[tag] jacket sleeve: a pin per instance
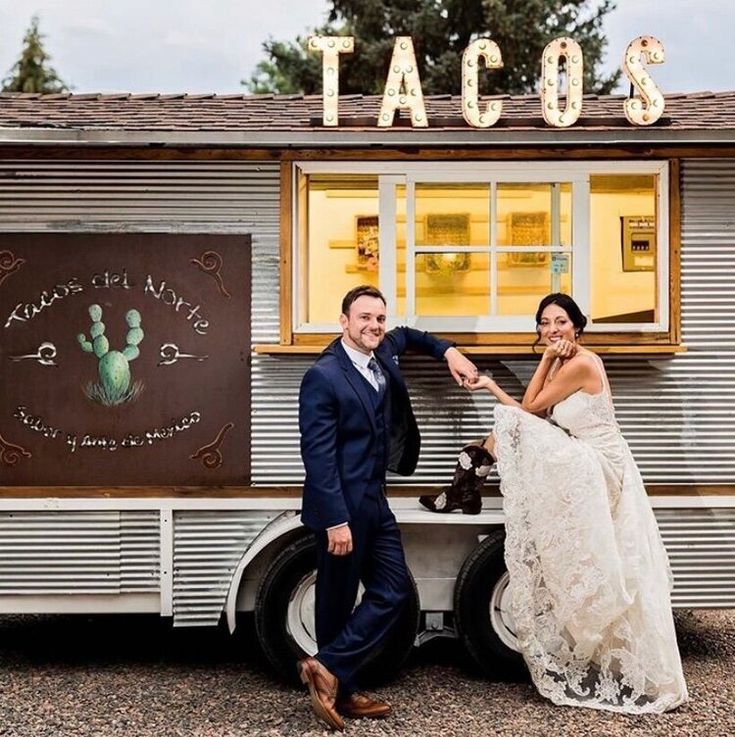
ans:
(405, 338)
(318, 422)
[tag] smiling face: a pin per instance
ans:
(556, 324)
(364, 327)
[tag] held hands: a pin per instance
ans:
(563, 349)
(478, 382)
(339, 540)
(461, 368)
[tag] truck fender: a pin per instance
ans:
(281, 525)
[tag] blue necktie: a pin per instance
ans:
(378, 374)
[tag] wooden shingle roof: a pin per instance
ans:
(295, 118)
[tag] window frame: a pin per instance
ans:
(495, 331)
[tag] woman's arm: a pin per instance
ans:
(539, 377)
(485, 382)
(571, 377)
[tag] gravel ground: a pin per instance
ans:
(134, 675)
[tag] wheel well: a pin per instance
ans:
(255, 570)
(281, 532)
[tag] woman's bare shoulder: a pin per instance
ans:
(584, 362)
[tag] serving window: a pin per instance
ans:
(469, 249)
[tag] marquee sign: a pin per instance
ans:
(403, 85)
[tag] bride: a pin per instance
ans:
(589, 576)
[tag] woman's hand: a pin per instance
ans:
(478, 382)
(561, 349)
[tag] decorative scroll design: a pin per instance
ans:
(210, 454)
(210, 262)
(44, 355)
(10, 454)
(8, 264)
(170, 354)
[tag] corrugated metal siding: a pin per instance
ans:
(703, 380)
(154, 196)
(79, 552)
(150, 195)
(701, 547)
(678, 413)
(207, 548)
(140, 552)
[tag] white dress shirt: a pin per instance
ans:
(360, 362)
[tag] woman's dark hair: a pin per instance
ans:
(568, 305)
(357, 292)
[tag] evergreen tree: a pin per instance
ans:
(441, 30)
(32, 73)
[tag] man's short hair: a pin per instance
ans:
(364, 290)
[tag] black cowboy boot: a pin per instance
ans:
(473, 466)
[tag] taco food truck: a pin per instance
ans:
(170, 265)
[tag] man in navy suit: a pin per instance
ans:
(356, 422)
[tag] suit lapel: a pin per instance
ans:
(391, 368)
(356, 381)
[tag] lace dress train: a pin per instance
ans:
(589, 577)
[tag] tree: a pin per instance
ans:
(32, 73)
(441, 30)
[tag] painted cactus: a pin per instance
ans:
(114, 366)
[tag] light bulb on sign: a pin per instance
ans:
(403, 86)
(572, 53)
(489, 52)
(648, 104)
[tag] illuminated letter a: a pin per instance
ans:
(403, 87)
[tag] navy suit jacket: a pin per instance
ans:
(338, 426)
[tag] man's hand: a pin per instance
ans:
(461, 368)
(339, 540)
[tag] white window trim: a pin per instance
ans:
(387, 229)
(578, 173)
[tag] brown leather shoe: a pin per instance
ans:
(322, 687)
(360, 706)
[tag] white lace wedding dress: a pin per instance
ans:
(589, 576)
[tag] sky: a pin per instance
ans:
(202, 46)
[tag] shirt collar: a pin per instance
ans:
(357, 357)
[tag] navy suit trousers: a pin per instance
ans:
(345, 637)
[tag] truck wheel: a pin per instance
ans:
(284, 618)
(481, 615)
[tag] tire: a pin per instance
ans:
(284, 618)
(480, 611)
